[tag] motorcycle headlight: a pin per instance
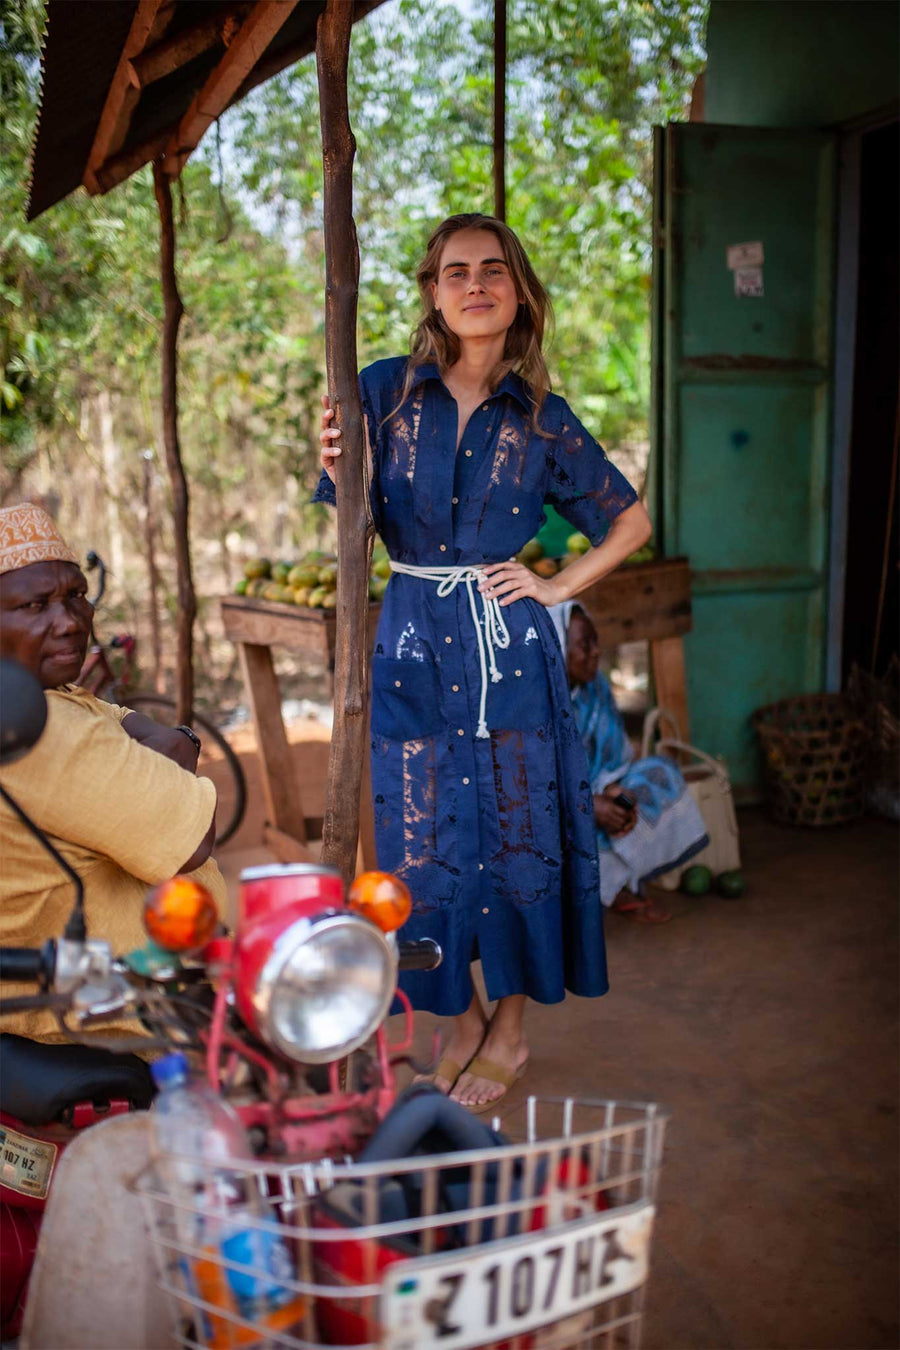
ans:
(326, 987)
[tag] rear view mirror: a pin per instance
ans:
(23, 711)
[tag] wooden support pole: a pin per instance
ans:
(500, 109)
(172, 312)
(355, 526)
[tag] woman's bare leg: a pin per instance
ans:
(505, 1045)
(466, 1035)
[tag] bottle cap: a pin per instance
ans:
(170, 1069)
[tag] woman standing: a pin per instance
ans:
(482, 800)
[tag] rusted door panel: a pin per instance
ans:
(742, 434)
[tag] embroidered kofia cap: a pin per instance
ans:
(28, 535)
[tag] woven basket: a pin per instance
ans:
(816, 752)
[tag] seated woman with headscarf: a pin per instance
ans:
(117, 793)
(647, 821)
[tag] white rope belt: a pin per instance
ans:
(495, 635)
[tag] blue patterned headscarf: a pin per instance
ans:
(602, 730)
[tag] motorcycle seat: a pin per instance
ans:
(38, 1082)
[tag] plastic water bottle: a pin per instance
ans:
(198, 1143)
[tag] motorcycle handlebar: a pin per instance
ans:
(25, 964)
(423, 955)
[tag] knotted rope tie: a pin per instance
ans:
(496, 634)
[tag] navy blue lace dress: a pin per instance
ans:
(493, 833)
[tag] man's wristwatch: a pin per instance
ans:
(192, 737)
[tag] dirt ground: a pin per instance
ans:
(769, 1029)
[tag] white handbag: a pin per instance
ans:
(710, 787)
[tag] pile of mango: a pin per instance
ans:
(310, 582)
(532, 555)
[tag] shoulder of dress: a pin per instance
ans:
(552, 417)
(555, 409)
(383, 374)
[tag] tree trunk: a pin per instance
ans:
(173, 310)
(355, 527)
(109, 449)
(152, 570)
(500, 109)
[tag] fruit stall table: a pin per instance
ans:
(256, 626)
(642, 601)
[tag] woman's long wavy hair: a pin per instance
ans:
(432, 340)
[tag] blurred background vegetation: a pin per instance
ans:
(80, 307)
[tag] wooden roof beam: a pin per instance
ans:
(257, 31)
(150, 21)
(172, 53)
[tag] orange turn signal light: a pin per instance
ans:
(382, 899)
(180, 914)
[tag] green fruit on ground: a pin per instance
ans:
(730, 885)
(280, 572)
(317, 596)
(530, 552)
(696, 880)
(578, 543)
(329, 600)
(382, 568)
(314, 556)
(545, 567)
(241, 587)
(328, 575)
(256, 568)
(256, 587)
(271, 591)
(301, 595)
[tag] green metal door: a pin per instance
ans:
(743, 300)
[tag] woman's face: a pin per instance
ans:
(475, 291)
(582, 649)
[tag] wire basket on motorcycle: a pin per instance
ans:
(534, 1239)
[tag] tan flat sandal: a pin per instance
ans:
(494, 1073)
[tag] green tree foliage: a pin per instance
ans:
(586, 83)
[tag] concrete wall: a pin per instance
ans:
(800, 63)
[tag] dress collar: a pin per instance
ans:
(510, 384)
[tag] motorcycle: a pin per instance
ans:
(399, 1223)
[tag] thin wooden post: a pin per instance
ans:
(500, 109)
(172, 312)
(355, 526)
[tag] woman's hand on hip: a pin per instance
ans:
(328, 436)
(509, 581)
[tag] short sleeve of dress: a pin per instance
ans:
(585, 488)
(325, 488)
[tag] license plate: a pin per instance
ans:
(504, 1288)
(26, 1164)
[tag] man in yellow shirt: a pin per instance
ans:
(116, 793)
